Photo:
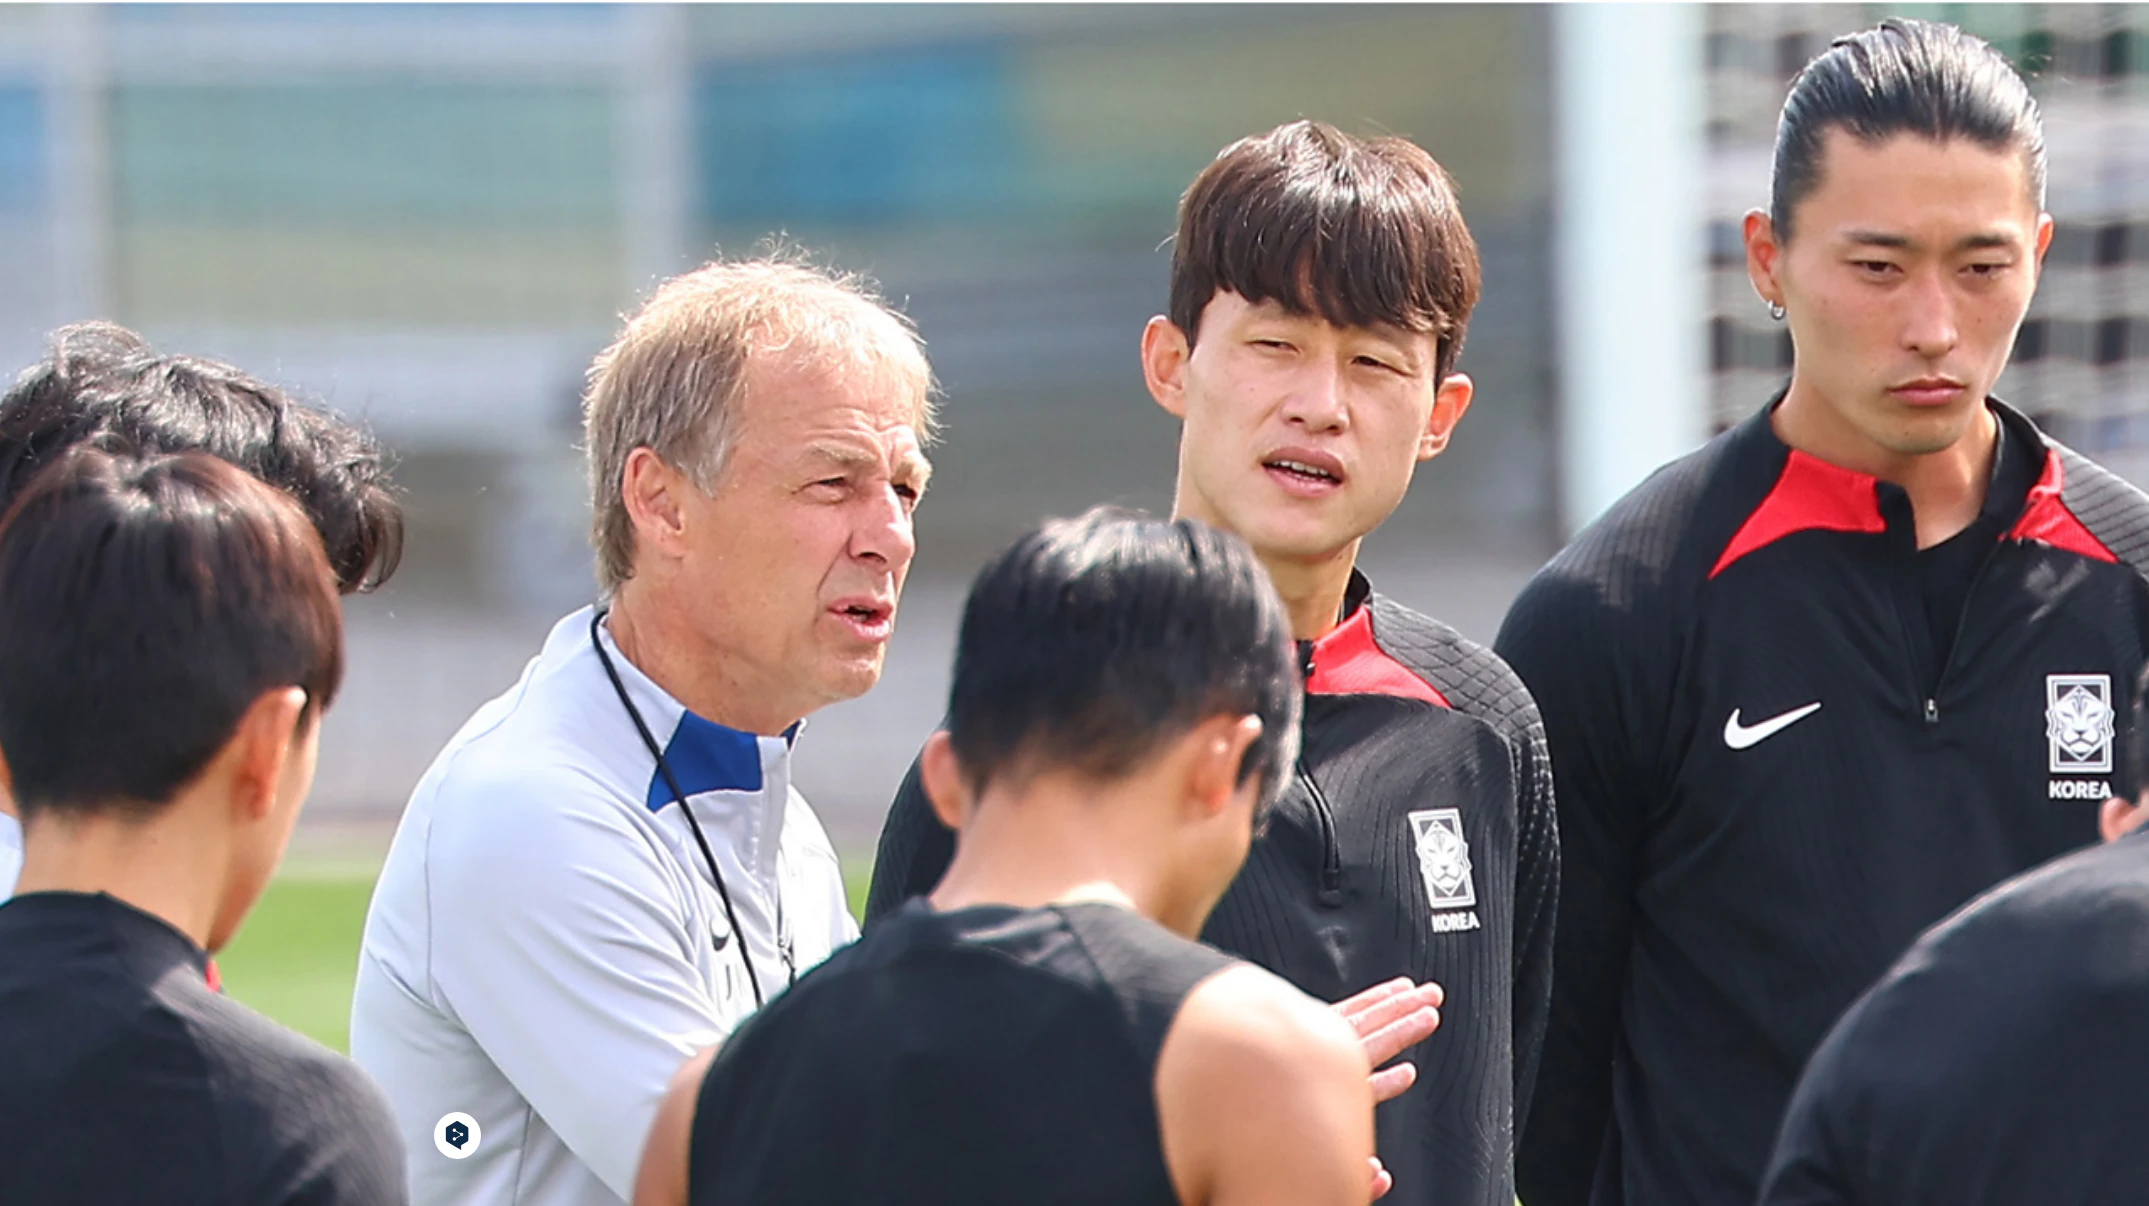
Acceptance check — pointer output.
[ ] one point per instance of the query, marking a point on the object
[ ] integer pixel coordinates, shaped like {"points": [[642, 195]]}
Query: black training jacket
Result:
{"points": [[1773, 774], [1416, 837]]}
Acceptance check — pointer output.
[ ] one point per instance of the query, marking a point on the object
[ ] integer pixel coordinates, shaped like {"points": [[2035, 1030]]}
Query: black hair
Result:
{"points": [[1359, 231], [1093, 641], [102, 385], [1902, 76], [145, 605]]}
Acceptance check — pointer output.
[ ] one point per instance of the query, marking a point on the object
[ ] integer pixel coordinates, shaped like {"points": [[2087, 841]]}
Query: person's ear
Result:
{"points": [[941, 773], [654, 494], [2120, 817], [7, 789], [1215, 749], [1764, 256], [1165, 352], [261, 746], [1450, 402], [2044, 244]]}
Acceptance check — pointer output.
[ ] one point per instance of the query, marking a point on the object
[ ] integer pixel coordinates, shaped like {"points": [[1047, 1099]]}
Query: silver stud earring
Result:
{"points": [[1775, 311]]}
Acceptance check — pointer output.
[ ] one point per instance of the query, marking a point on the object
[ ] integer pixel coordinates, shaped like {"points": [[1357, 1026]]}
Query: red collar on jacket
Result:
{"points": [[1348, 661], [1813, 495]]}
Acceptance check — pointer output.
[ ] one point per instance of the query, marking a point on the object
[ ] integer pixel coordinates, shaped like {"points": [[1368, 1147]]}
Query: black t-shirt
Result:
{"points": [[124, 1078], [2003, 1060], [979, 1056]]}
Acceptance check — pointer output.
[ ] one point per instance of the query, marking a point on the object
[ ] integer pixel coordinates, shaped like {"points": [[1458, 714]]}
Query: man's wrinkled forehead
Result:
{"points": [[890, 380], [873, 374], [894, 448]]}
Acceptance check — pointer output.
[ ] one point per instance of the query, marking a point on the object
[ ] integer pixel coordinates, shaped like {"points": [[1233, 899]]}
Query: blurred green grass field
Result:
{"points": [[297, 956]]}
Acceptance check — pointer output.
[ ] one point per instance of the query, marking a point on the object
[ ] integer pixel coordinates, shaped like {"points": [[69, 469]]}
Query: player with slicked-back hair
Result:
{"points": [[1815, 685], [170, 636], [1042, 1028], [1902, 77]]}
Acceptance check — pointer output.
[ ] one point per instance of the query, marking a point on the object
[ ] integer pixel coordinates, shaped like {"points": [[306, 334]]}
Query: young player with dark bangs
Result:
{"points": [[1321, 286]]}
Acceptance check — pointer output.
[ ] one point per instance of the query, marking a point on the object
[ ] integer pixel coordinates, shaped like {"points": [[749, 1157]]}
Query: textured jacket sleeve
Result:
{"points": [[1478, 683], [343, 1149], [915, 850], [1566, 643], [1537, 890]]}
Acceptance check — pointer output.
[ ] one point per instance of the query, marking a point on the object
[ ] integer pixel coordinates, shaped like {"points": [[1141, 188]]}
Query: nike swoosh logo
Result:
{"points": [[1739, 736]]}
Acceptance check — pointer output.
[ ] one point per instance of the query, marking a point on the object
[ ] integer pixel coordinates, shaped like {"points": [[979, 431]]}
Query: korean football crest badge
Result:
{"points": [[2078, 723], [1443, 858]]}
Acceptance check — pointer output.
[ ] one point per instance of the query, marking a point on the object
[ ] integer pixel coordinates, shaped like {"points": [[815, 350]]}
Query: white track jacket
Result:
{"points": [[546, 947]]}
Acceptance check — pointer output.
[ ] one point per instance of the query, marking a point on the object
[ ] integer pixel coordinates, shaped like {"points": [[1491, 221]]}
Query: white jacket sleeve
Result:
{"points": [[561, 940]]}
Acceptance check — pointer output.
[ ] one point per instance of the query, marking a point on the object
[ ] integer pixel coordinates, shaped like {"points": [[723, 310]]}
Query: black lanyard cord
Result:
{"points": [[753, 978]]}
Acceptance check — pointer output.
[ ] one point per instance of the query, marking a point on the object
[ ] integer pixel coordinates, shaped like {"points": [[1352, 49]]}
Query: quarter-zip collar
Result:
{"points": [[737, 783], [1811, 494], [1355, 593], [1348, 660]]}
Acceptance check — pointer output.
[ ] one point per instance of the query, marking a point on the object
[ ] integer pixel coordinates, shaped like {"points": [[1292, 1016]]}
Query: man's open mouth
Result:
{"points": [[1300, 469]]}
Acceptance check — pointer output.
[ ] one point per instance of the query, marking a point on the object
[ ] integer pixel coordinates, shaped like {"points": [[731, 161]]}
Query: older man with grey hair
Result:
{"points": [[607, 868]]}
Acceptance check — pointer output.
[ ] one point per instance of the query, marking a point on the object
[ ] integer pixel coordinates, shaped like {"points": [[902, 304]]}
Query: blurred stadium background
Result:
{"points": [[430, 217]]}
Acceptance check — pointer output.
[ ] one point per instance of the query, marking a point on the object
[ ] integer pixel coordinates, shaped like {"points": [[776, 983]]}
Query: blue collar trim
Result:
{"points": [[706, 756]]}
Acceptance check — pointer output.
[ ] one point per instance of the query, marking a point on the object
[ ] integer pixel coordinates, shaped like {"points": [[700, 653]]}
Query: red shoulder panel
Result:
{"points": [[2048, 520], [1349, 662], [1811, 495]]}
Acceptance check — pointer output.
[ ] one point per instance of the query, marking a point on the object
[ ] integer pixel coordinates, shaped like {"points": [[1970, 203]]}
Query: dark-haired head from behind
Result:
{"points": [[1095, 642], [146, 605], [102, 385], [1902, 76], [1363, 232]]}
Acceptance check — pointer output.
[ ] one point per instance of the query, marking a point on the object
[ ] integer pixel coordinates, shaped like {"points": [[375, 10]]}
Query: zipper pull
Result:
{"points": [[1932, 711]]}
